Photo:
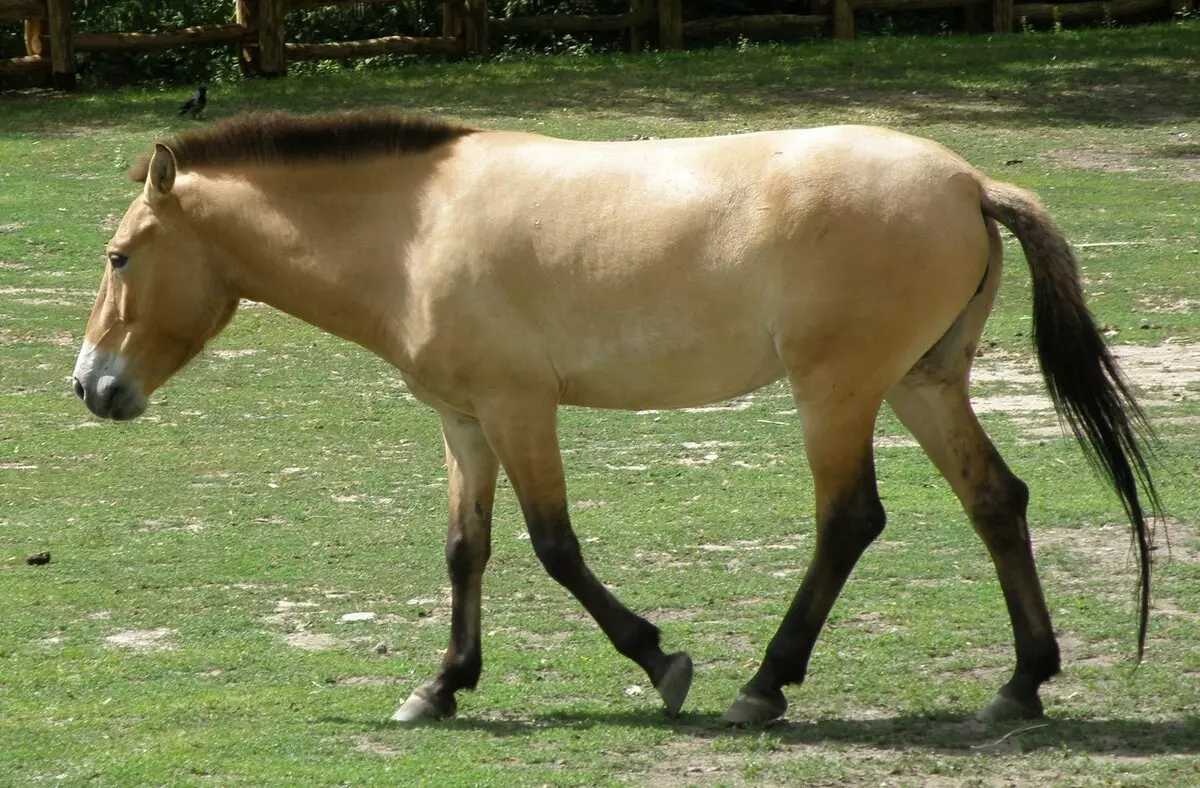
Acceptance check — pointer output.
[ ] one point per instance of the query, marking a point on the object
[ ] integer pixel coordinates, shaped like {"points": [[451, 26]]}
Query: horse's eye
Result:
{"points": [[118, 260]]}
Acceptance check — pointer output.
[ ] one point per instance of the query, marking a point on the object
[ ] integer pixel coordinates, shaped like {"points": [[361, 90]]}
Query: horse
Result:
{"points": [[504, 274]]}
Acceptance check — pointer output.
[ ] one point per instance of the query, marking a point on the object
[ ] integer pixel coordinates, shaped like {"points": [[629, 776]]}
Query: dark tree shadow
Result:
{"points": [[1123, 78]]}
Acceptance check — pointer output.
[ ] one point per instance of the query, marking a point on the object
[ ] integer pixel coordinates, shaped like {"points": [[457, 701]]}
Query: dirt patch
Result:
{"points": [[311, 641], [1169, 606], [55, 338], [240, 353], [1165, 375], [143, 639], [288, 611], [366, 744], [1106, 549], [694, 762], [370, 681], [1012, 403], [1166, 366], [675, 614], [1179, 161], [1160, 305], [871, 622], [1094, 160]]}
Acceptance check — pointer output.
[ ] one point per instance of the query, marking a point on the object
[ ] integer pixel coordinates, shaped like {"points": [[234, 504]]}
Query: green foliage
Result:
{"points": [[182, 64]]}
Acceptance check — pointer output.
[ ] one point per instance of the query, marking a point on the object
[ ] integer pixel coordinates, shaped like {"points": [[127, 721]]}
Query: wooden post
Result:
{"points": [[843, 19], [453, 12], [1002, 16], [62, 51], [272, 18], [35, 28], [670, 24], [249, 54], [475, 28], [971, 16], [640, 33]]}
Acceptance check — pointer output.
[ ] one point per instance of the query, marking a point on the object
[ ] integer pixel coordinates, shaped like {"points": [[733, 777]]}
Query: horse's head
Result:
{"points": [[161, 299]]}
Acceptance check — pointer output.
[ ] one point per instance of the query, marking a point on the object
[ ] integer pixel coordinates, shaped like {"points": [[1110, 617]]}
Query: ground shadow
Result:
{"points": [[948, 734]]}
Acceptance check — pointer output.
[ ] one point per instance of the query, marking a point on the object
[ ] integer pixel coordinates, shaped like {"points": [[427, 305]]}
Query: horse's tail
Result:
{"points": [[1080, 372]]}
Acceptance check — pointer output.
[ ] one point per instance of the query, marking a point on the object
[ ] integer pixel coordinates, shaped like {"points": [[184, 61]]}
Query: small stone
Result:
{"points": [[38, 559], [358, 617], [381, 648]]}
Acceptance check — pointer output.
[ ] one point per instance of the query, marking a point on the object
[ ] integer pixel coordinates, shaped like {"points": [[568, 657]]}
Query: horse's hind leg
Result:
{"points": [[525, 439], [932, 403], [837, 440], [472, 468]]}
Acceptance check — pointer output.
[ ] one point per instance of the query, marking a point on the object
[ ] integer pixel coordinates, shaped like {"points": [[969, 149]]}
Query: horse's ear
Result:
{"points": [[160, 178]]}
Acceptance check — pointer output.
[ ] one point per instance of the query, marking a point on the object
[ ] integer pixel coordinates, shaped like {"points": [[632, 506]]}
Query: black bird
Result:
{"points": [[196, 104]]}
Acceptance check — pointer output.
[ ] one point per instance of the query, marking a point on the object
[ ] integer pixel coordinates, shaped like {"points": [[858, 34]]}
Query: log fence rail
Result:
{"points": [[259, 32]]}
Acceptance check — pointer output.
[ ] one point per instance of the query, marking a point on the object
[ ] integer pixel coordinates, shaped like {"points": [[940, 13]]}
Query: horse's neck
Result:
{"points": [[285, 253]]}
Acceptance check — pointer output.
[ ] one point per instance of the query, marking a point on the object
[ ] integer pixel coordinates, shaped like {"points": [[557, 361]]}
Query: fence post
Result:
{"points": [[475, 28], [35, 28], [670, 24], [1002, 16], [452, 18], [843, 19], [640, 32], [62, 50], [971, 21], [272, 57], [249, 55]]}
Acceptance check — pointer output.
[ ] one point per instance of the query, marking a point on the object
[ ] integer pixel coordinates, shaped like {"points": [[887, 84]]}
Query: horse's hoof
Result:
{"points": [[675, 683], [1004, 709], [753, 709], [419, 708]]}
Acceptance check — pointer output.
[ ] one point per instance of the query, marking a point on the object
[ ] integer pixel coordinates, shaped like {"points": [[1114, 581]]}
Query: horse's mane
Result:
{"points": [[270, 137]]}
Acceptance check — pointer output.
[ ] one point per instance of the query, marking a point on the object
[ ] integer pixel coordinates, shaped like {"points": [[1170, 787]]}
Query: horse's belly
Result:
{"points": [[679, 380]]}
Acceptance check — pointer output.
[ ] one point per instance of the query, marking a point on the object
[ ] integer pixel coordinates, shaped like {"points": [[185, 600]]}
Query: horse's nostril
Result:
{"points": [[78, 387]]}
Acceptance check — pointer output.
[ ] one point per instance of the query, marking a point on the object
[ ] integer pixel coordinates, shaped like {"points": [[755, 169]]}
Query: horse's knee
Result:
{"points": [[466, 557]]}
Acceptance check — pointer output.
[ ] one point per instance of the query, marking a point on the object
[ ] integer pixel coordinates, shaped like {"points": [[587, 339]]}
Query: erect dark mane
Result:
{"points": [[263, 138]]}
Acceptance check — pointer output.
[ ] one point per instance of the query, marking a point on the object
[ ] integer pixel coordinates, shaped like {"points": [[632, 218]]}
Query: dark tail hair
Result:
{"points": [[1081, 374]]}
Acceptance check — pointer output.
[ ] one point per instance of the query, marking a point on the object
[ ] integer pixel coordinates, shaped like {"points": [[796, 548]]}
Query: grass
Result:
{"points": [[287, 479]]}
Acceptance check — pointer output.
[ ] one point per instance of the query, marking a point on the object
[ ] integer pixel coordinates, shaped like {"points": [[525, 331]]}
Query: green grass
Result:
{"points": [[286, 478]]}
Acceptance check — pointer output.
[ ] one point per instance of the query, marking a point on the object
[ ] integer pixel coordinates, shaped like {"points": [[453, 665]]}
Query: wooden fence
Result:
{"points": [[259, 33]]}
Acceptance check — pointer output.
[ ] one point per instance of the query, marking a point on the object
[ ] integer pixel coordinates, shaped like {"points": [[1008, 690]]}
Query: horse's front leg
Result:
{"points": [[472, 468], [525, 438]]}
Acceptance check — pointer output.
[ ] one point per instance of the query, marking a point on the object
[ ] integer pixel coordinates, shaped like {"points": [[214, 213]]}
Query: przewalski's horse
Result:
{"points": [[506, 274]]}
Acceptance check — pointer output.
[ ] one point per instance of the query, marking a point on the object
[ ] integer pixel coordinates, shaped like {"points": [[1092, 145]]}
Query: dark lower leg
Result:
{"points": [[843, 532], [999, 518], [472, 469], [463, 660], [557, 548]]}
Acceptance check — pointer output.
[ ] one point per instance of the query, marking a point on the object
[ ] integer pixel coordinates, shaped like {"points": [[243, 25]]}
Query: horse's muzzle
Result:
{"points": [[111, 398], [100, 381]]}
